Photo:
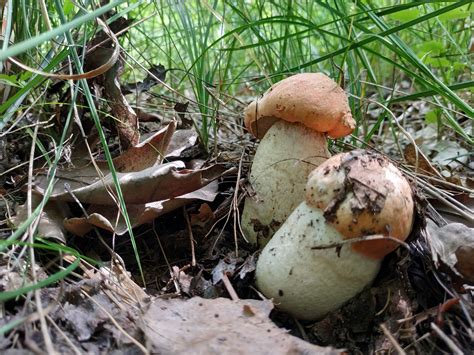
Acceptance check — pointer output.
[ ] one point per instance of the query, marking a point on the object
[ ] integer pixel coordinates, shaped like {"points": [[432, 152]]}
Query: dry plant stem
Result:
{"points": [[64, 336], [90, 74], [445, 198], [170, 269], [394, 342], [301, 329], [235, 207], [31, 229], [387, 303], [127, 121], [228, 286], [452, 346], [361, 239], [30, 344], [191, 237], [44, 13], [447, 183], [227, 218], [114, 321]]}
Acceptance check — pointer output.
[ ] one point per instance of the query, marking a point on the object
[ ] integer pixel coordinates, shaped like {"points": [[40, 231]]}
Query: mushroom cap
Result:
{"points": [[312, 99], [361, 194]]}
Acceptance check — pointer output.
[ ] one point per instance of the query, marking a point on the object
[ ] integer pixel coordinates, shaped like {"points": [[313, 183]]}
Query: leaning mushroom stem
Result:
{"points": [[285, 157], [304, 280], [352, 196]]}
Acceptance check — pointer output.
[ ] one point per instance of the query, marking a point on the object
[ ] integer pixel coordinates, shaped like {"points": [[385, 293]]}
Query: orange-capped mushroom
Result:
{"points": [[351, 195], [361, 193], [292, 118], [312, 99]]}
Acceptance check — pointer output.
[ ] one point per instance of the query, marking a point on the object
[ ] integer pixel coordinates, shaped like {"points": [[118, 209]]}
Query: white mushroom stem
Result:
{"points": [[285, 157], [308, 282]]}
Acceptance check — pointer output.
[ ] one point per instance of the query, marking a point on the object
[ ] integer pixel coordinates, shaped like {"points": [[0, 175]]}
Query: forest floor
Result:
{"points": [[183, 282]]}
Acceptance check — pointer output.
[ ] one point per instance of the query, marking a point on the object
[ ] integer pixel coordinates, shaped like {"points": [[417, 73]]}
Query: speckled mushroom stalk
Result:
{"points": [[351, 195], [292, 119]]}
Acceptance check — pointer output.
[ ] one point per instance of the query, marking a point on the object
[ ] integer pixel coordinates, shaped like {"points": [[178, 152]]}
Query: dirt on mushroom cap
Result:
{"points": [[362, 193]]}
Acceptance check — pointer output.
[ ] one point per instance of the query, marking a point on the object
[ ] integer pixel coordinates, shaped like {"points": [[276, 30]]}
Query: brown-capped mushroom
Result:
{"points": [[308, 267], [292, 120]]}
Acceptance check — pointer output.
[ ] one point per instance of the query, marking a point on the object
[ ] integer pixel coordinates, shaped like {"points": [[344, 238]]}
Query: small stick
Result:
{"points": [[230, 289], [394, 342], [119, 327], [191, 237], [446, 339], [31, 238], [360, 239], [170, 269]]}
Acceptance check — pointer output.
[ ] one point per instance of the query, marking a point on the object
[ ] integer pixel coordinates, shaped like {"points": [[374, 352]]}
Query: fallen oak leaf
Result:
{"points": [[156, 183], [181, 140], [453, 245], [50, 225], [147, 153], [105, 216], [219, 326], [144, 155]]}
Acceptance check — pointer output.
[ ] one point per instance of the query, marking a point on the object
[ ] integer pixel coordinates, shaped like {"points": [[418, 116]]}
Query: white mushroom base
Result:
{"points": [[286, 155], [308, 283]]}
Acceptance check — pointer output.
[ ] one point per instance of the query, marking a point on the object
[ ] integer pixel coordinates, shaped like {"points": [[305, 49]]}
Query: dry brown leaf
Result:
{"points": [[149, 188], [181, 140], [105, 216], [219, 326], [50, 225], [204, 215], [117, 280], [422, 164], [146, 154], [156, 183], [453, 245], [83, 173]]}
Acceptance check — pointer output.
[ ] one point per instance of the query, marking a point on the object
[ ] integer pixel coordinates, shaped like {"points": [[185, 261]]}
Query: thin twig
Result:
{"points": [[170, 269], [394, 341], [64, 336], [119, 327], [31, 230], [361, 239], [191, 237], [228, 286], [235, 206], [454, 348]]}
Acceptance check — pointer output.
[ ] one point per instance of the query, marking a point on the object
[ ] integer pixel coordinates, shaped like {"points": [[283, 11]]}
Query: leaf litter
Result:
{"points": [[421, 298], [150, 188]]}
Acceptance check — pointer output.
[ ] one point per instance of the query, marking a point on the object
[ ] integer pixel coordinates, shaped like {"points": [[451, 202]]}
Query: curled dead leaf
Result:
{"points": [[105, 217], [453, 245]]}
